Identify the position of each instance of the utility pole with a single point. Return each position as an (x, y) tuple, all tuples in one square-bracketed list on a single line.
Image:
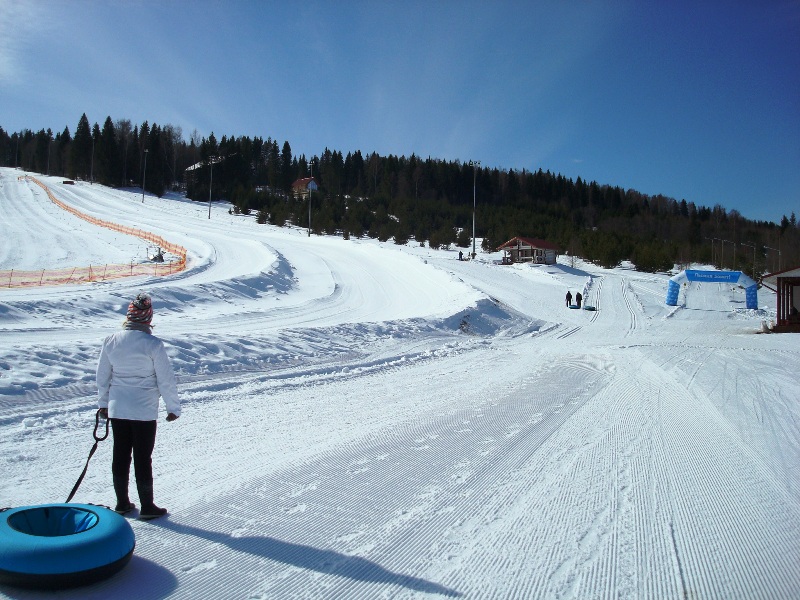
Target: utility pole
[(753, 246), (144, 172), (713, 250), (210, 183), (474, 164), (734, 251), (778, 250)]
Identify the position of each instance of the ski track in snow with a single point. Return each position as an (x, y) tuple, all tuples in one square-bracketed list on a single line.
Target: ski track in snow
[(364, 421)]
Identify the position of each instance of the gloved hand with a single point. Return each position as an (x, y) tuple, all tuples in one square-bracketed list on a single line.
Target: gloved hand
[(171, 417), (103, 413)]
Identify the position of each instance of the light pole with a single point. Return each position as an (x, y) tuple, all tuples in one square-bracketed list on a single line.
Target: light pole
[(91, 170), (753, 246), (144, 173), (734, 251), (210, 183), (309, 197), (713, 256), (474, 164), (778, 250)]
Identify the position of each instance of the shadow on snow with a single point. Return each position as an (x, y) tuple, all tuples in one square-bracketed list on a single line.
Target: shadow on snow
[(316, 559)]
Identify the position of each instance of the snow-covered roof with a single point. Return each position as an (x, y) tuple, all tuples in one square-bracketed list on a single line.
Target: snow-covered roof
[(771, 280), (306, 183), (532, 242)]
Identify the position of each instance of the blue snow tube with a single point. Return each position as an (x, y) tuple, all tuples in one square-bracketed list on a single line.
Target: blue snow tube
[(62, 545)]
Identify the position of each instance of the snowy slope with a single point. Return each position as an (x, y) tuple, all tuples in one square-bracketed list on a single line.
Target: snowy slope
[(363, 420)]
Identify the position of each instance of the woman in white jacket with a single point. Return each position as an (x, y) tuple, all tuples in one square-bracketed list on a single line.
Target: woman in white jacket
[(133, 371)]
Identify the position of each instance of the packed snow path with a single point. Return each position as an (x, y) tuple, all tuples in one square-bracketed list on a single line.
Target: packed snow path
[(366, 421)]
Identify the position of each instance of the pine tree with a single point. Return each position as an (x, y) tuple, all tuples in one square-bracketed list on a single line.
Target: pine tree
[(156, 166), (123, 131), (287, 171), (81, 150), (107, 155), (63, 149)]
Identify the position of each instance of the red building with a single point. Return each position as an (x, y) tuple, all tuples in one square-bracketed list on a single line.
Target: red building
[(522, 249), (786, 284), (302, 188)]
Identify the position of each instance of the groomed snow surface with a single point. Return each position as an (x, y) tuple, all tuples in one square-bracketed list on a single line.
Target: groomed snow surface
[(365, 420)]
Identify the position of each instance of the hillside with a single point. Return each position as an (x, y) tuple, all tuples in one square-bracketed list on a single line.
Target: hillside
[(365, 419), (402, 198)]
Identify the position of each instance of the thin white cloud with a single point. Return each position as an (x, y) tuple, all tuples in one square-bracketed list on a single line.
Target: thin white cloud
[(19, 22)]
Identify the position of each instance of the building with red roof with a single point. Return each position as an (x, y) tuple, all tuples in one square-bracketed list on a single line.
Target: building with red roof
[(523, 249)]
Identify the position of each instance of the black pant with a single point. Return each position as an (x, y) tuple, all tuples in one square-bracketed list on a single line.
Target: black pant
[(139, 438)]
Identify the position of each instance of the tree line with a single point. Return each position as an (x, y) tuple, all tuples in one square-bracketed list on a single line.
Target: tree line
[(400, 198)]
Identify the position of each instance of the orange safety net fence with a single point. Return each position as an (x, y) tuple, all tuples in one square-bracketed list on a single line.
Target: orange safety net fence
[(14, 278)]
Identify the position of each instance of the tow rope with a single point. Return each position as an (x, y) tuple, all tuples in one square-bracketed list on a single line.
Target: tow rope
[(91, 452)]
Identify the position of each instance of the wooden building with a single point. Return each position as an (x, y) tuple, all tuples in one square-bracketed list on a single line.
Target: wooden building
[(302, 188), (786, 284), (522, 249)]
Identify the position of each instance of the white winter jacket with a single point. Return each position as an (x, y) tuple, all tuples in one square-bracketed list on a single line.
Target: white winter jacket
[(133, 371)]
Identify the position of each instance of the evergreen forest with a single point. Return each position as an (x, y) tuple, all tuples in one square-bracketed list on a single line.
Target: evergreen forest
[(402, 198)]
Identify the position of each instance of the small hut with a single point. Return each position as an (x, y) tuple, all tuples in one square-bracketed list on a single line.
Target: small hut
[(786, 284)]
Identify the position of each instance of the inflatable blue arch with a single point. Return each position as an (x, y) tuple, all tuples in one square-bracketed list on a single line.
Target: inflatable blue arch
[(734, 277)]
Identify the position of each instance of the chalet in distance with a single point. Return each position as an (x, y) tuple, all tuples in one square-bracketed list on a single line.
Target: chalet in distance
[(302, 188), (522, 249)]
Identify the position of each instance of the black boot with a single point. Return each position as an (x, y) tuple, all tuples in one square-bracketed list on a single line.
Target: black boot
[(149, 510), (124, 505)]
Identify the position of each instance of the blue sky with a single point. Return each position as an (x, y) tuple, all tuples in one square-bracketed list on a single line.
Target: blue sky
[(697, 100)]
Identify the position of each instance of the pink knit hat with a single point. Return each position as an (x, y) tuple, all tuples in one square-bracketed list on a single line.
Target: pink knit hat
[(140, 310)]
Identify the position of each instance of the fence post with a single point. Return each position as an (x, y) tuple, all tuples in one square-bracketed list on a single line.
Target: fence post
[(10, 275)]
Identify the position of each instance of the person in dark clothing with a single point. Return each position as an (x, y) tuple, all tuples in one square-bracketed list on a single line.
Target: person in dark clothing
[(569, 297), (578, 299)]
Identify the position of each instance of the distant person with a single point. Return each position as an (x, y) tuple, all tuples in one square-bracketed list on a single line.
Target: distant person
[(578, 299), (460, 255), (133, 371), (569, 298)]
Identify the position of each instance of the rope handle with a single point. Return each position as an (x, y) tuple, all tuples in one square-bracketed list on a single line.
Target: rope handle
[(97, 424), (91, 452)]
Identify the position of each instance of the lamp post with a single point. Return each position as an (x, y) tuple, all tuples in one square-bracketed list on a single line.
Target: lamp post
[(753, 246), (474, 164), (309, 198), (210, 183), (734, 251), (778, 250), (91, 170), (144, 172), (713, 255)]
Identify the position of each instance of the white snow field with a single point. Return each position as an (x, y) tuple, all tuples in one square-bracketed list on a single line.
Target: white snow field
[(366, 420)]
